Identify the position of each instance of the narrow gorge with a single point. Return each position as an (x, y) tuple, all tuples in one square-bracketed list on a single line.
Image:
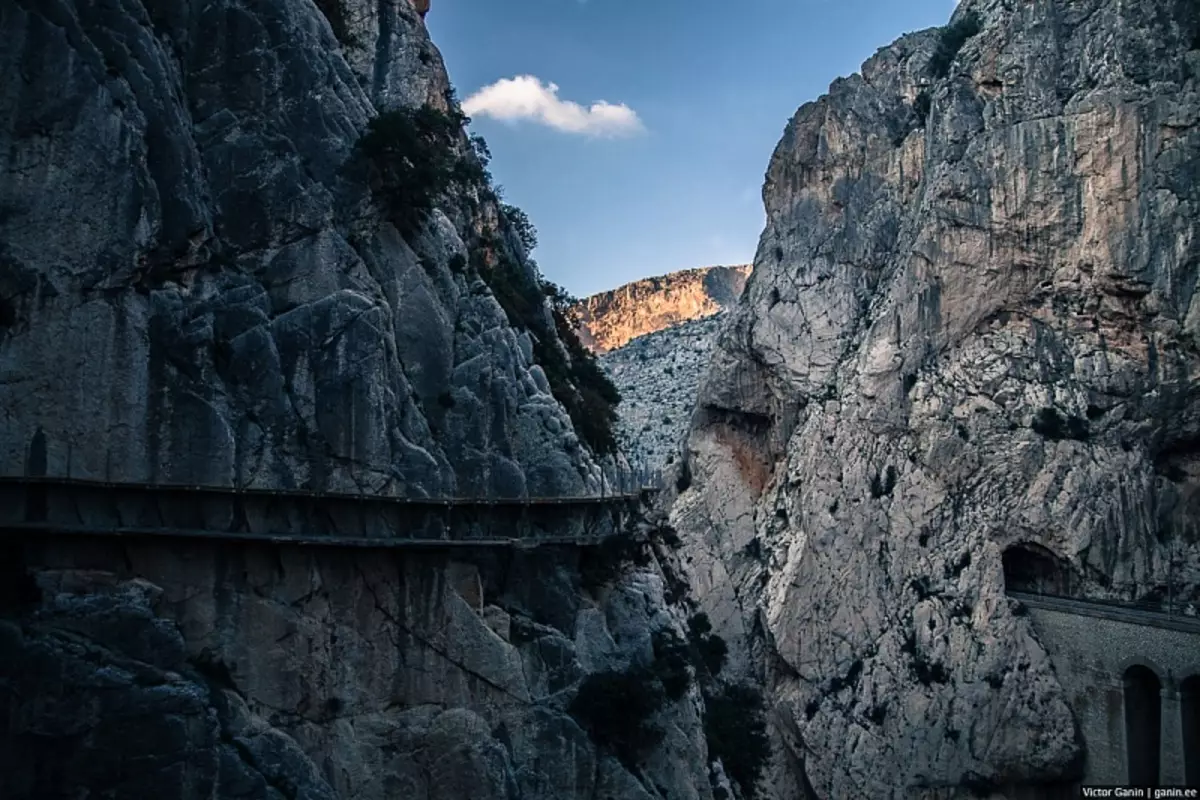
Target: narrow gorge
[(313, 487)]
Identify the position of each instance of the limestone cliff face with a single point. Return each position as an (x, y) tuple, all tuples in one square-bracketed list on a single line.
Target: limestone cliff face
[(972, 326), (200, 671), (611, 319), (658, 375), (197, 286)]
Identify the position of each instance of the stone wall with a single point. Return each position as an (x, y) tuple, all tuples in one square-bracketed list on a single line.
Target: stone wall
[(1091, 653)]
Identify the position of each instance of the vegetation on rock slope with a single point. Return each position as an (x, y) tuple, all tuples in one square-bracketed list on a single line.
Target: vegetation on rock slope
[(415, 158)]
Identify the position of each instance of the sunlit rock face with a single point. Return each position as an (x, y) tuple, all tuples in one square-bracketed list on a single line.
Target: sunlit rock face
[(970, 325), (609, 320)]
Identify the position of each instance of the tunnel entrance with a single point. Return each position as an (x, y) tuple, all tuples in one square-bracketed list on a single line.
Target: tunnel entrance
[(1189, 705), (1033, 569), (1143, 725)]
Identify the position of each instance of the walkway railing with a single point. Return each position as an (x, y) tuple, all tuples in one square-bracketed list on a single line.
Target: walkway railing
[(1131, 611), (47, 506)]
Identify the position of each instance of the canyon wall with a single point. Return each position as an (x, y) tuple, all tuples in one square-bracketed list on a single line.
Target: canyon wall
[(658, 375), (971, 330), (199, 284), (609, 320), (201, 670)]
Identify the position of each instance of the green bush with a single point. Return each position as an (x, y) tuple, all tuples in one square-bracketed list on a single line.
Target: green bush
[(413, 159), (710, 649), (736, 730), (520, 223), (615, 709), (922, 105), (1052, 425), (671, 659), (603, 563), (951, 40), (335, 12)]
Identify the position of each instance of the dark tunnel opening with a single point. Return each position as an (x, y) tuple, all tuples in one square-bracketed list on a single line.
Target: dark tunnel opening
[(1143, 725), (1033, 569)]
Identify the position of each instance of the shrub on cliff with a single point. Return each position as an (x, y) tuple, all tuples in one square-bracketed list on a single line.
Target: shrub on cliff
[(412, 157), (709, 648), (671, 660), (951, 40), (736, 730), (335, 13), (603, 563), (615, 709), (922, 105), (520, 223), (1054, 426)]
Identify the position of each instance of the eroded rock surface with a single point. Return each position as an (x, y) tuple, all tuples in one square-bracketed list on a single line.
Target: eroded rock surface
[(972, 325), (215, 671), (609, 320), (658, 375), (197, 286)]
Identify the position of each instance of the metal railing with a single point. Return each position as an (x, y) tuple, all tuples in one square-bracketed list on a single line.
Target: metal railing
[(48, 505), (1131, 612)]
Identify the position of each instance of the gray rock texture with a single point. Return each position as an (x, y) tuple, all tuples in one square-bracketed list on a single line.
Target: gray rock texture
[(971, 325), (196, 285), (609, 320), (658, 375), (205, 671)]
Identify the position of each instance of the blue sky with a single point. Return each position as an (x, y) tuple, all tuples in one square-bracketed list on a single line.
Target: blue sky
[(668, 174)]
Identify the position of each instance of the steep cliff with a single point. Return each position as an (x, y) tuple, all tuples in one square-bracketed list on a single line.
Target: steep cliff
[(609, 320), (658, 375), (203, 671), (969, 341), (200, 281), (247, 244)]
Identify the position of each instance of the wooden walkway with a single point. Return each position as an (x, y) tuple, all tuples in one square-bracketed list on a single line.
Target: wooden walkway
[(33, 506)]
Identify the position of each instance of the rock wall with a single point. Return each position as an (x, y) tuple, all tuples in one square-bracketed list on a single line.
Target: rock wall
[(658, 375), (197, 286), (205, 670), (972, 324), (609, 320)]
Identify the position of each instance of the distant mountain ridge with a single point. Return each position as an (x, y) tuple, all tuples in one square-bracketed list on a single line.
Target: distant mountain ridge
[(609, 320)]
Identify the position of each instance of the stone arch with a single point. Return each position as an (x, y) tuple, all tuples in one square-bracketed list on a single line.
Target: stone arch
[(1143, 725), (1189, 708), (1125, 664), (1034, 569)]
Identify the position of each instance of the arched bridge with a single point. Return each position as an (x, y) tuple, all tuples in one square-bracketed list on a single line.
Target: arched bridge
[(61, 506), (1130, 669)]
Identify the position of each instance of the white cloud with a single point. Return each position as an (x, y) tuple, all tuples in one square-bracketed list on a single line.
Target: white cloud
[(526, 97)]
